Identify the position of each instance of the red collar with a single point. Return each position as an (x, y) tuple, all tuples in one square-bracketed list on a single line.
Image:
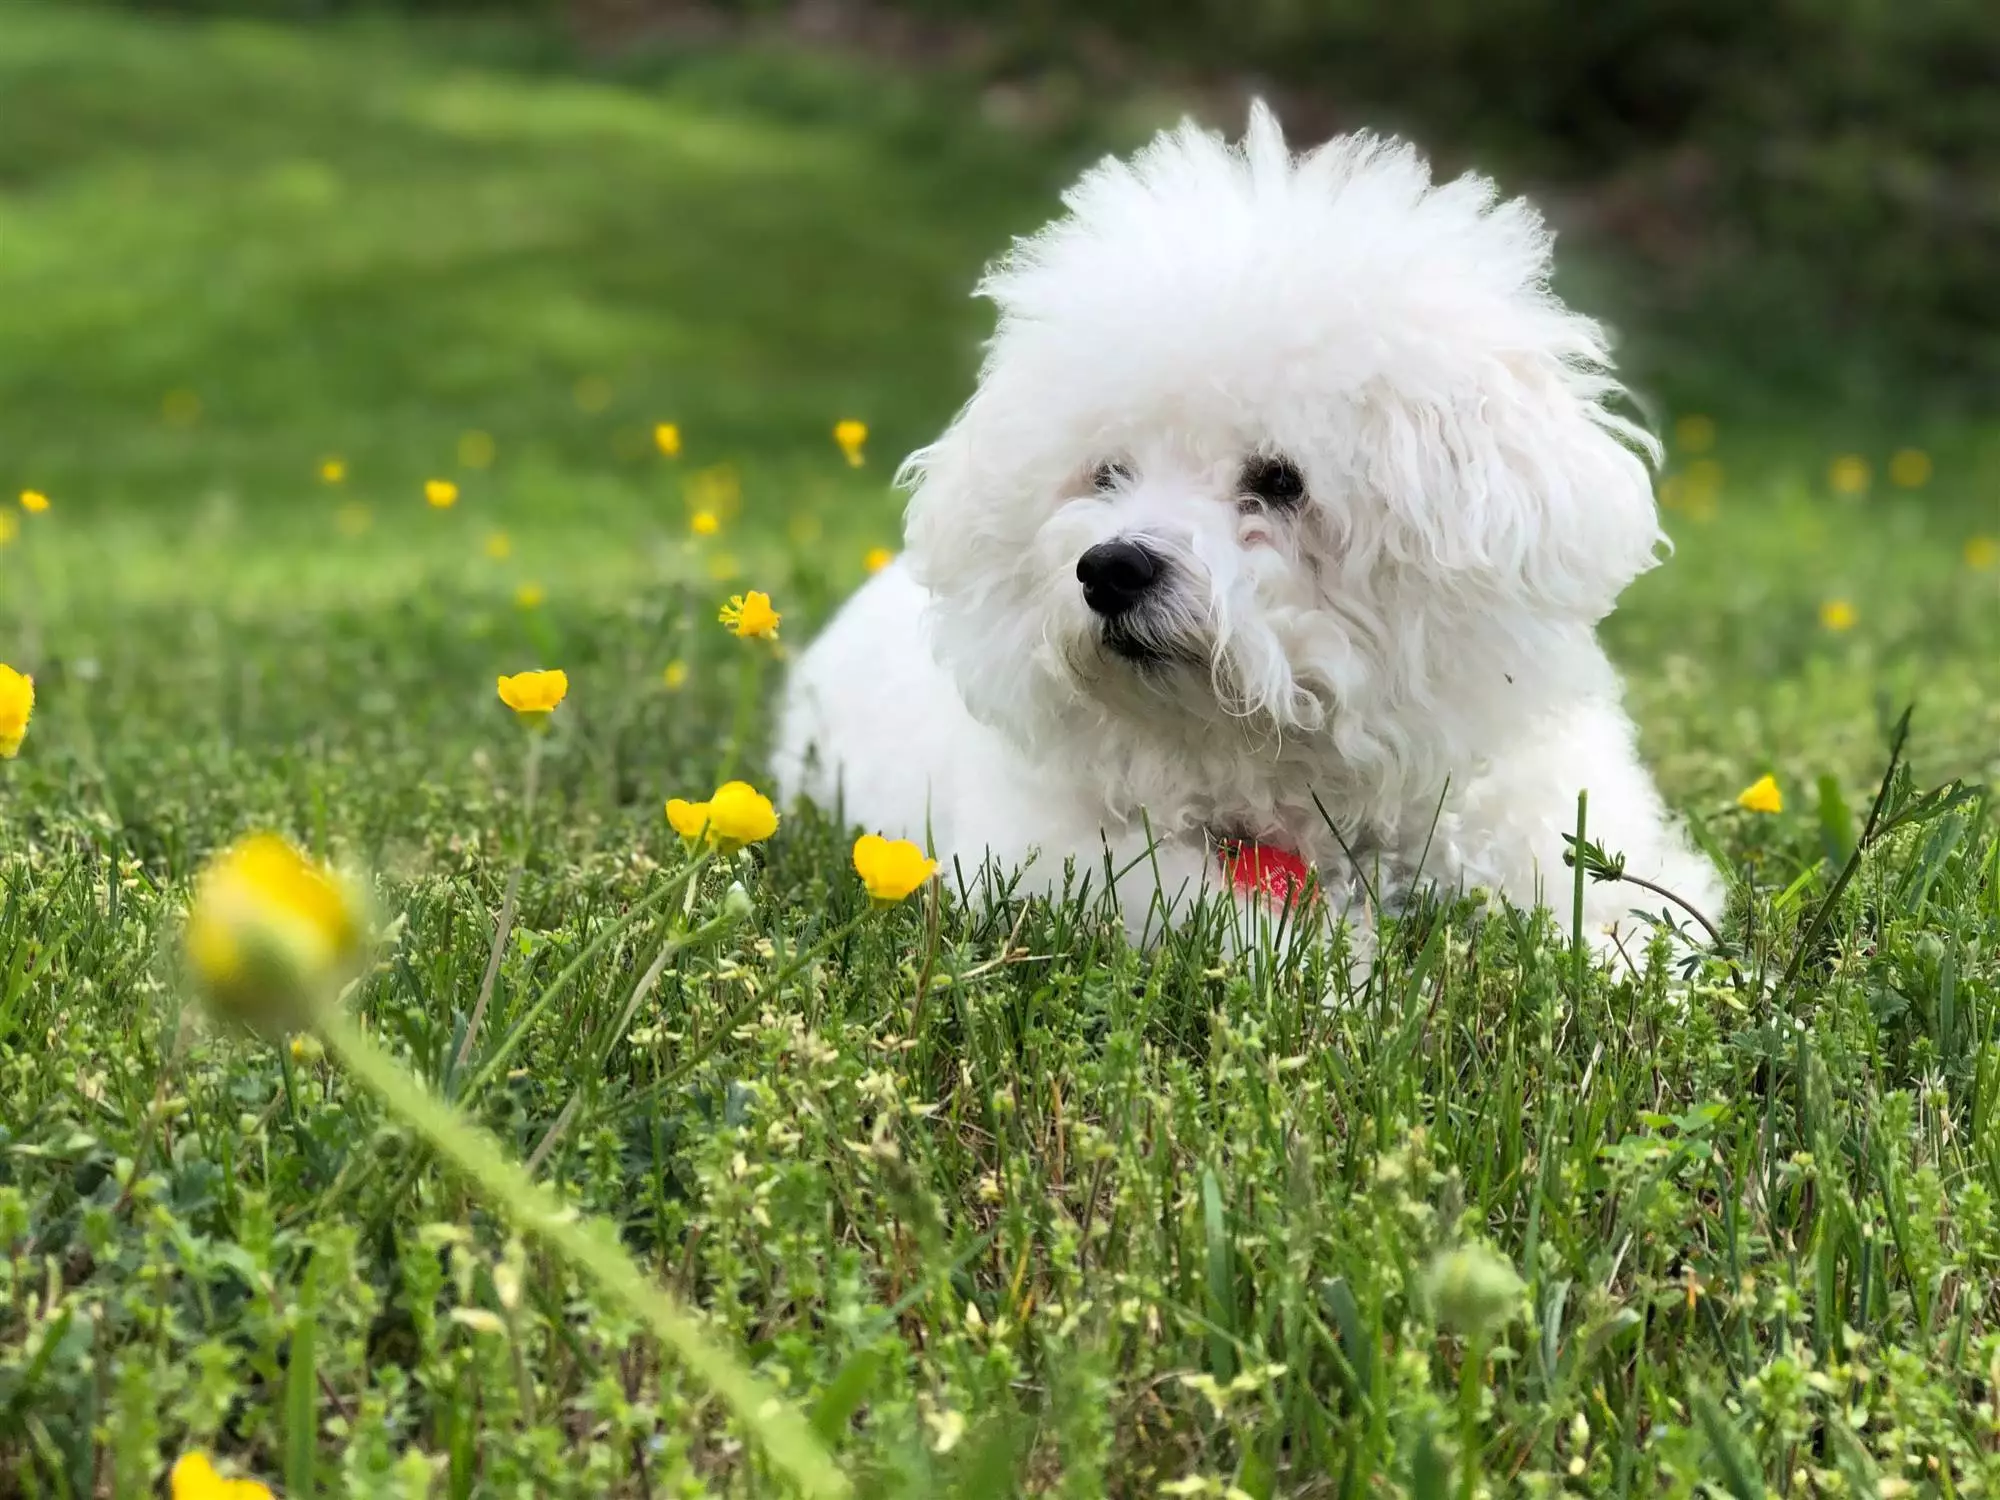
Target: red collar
[(1253, 867)]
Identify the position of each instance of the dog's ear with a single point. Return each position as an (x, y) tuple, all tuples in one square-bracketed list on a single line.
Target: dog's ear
[(1521, 479)]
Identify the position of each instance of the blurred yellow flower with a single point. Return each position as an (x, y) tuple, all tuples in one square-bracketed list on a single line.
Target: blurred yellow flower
[(270, 930), (667, 438), (475, 450), (704, 523), (1910, 469), (890, 869), (534, 695), (1837, 615), (751, 615), (718, 488), (531, 596), (181, 408), (195, 1478), (499, 546), (1762, 796), (353, 518), (333, 471), (10, 527), (1982, 551), (34, 502), (17, 706), (1694, 433), (676, 675), (1848, 474), (736, 815), (877, 559), (593, 393), (852, 436), (440, 494)]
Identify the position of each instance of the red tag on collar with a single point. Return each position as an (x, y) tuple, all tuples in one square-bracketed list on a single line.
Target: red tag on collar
[(1264, 868)]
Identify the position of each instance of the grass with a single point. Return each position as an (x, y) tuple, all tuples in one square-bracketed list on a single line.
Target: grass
[(996, 1202)]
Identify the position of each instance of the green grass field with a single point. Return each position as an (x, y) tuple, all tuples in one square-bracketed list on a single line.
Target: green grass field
[(997, 1203)]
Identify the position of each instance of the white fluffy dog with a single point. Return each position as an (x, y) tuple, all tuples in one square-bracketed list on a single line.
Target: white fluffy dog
[(1275, 534)]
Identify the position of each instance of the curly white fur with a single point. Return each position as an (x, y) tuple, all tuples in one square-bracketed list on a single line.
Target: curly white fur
[(1411, 647)]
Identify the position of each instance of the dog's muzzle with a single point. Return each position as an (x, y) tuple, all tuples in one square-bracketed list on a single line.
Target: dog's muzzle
[(1117, 577)]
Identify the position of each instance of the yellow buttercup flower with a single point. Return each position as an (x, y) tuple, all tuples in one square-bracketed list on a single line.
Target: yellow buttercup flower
[(1694, 433), (877, 559), (736, 815), (534, 695), (704, 523), (195, 1478), (890, 868), (852, 436), (1982, 551), (750, 615), (530, 596), (333, 471), (676, 675), (475, 450), (667, 438), (270, 931), (10, 527), (440, 494), (34, 502), (1838, 615), (17, 706), (1848, 474), (499, 546), (1762, 796), (1910, 469)]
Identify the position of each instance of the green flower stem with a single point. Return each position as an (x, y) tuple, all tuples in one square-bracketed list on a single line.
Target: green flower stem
[(504, 924), (749, 693), (591, 1247)]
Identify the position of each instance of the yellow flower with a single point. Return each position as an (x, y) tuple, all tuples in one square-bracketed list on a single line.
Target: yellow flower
[(534, 695), (675, 676), (667, 438), (1848, 474), (475, 450), (704, 523), (736, 815), (1982, 551), (877, 559), (194, 1478), (333, 471), (270, 930), (751, 615), (34, 502), (851, 435), (10, 527), (1838, 615), (440, 494), (499, 546), (17, 706), (1762, 796), (891, 869), (530, 596), (1910, 469), (1694, 433), (353, 519)]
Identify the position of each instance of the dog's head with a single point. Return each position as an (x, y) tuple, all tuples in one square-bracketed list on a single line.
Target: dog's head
[(1285, 443)]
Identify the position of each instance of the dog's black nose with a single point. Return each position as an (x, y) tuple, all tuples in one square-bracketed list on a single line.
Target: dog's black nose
[(1116, 576)]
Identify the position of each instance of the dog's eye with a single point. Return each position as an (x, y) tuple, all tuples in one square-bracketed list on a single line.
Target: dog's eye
[(1109, 476), (1275, 481)]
